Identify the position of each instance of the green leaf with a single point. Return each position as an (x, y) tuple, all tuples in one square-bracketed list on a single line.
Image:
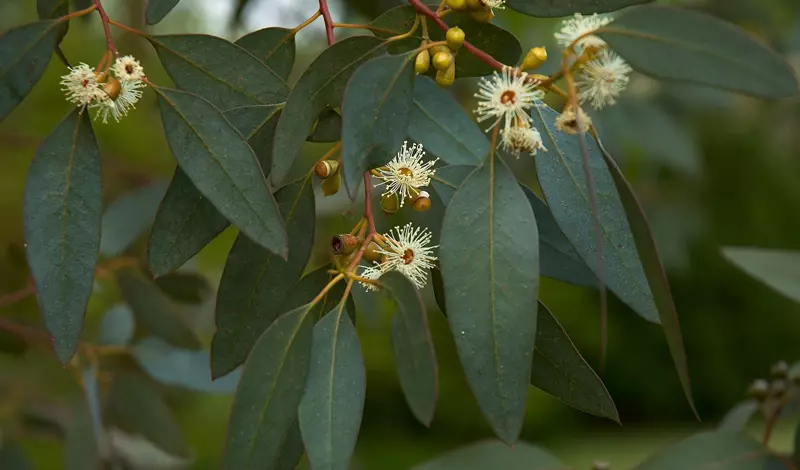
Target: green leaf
[(494, 454), (333, 401), (158, 9), (684, 45), (24, 54), (222, 166), (117, 327), (737, 418), (439, 122), (551, 9), (413, 347), (128, 217), (779, 269), (328, 127), (731, 451), (191, 288), (321, 86), (12, 457), (265, 408), (219, 71), (136, 407), (490, 265), (375, 113), (155, 311), (84, 433), (495, 41), (275, 47), (560, 370), (255, 282), (312, 284), (257, 126), (51, 9), (563, 183), (656, 276), (61, 219)]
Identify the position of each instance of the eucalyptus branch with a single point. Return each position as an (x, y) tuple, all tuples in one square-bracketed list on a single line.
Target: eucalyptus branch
[(104, 18), (326, 17)]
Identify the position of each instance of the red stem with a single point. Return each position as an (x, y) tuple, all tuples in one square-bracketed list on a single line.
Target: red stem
[(368, 203), (104, 18), (482, 56), (326, 16)]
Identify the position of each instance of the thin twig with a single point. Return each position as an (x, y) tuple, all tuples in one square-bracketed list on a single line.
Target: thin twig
[(307, 22), (104, 18), (21, 294), (326, 16)]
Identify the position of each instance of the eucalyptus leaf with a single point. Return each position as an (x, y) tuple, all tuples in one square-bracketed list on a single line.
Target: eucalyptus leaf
[(555, 8), (192, 288), (732, 451), (490, 265), (275, 47), (128, 217), (778, 269), (157, 9), (117, 326), (61, 220), (375, 115), (677, 44), (736, 419), (80, 444), (51, 9), (328, 127), (494, 454)]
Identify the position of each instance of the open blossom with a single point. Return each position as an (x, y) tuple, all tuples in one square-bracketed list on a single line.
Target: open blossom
[(579, 25), (567, 122), (371, 273), (127, 68), (519, 139), (80, 85), (601, 80), (408, 252), (111, 94), (499, 4), (507, 97), (118, 97), (406, 173)]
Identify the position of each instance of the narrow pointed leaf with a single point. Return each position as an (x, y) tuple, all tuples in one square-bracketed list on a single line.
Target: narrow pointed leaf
[(413, 347), (732, 451), (375, 112), (779, 269), (128, 217), (439, 122), (677, 44), (550, 8), (50, 9), (494, 454), (321, 86), (255, 282), (157, 9), (61, 221), (222, 166), (275, 47), (219, 71), (328, 128), (264, 410), (489, 254), (737, 418), (560, 370), (656, 276), (563, 183), (25, 52), (333, 401)]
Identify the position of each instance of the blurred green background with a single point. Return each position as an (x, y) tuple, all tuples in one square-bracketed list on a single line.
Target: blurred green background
[(712, 169)]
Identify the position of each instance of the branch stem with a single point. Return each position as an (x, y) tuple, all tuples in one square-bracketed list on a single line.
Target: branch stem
[(326, 17), (306, 22), (104, 18)]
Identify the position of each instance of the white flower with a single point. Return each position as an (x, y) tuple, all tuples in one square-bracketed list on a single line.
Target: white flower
[(507, 96), (578, 26), (128, 68), (409, 253), (406, 173), (499, 4), (80, 85), (600, 81), (522, 139), (567, 122), (371, 273), (118, 97)]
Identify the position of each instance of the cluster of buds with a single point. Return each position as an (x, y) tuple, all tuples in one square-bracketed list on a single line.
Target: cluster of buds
[(111, 91), (479, 10), (443, 57), (782, 388)]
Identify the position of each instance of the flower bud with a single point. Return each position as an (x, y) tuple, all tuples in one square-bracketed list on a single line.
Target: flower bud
[(331, 185), (437, 49), (423, 62), (112, 88), (780, 370), (442, 60), (758, 389), (422, 203), (455, 38), (372, 254), (483, 16), (326, 168), (344, 244), (446, 77), (457, 4), (534, 58), (390, 203)]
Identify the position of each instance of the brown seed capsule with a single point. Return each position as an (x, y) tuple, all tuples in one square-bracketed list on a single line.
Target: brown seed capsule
[(112, 88), (447, 77), (455, 38), (484, 16), (442, 60), (422, 203), (423, 62), (372, 254), (344, 244), (534, 58), (390, 203), (457, 4), (326, 168)]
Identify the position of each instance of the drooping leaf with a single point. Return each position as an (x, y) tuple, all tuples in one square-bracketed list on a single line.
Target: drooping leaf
[(439, 122), (413, 347), (221, 72), (328, 128), (375, 116), (24, 54), (50, 9), (222, 166), (563, 183), (779, 269), (275, 47), (180, 367), (732, 451), (255, 282), (321, 86), (333, 401), (117, 327), (555, 8), (157, 9), (656, 276), (497, 42), (494, 454), (61, 220), (155, 311), (737, 418), (560, 370), (12, 457), (128, 217), (265, 407), (489, 254), (685, 45), (191, 288), (84, 434)]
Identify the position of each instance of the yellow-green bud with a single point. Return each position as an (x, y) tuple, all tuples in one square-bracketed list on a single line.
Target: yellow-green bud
[(457, 4), (423, 62), (372, 254), (331, 185), (446, 77), (484, 16), (442, 60), (112, 88), (390, 203), (534, 58), (455, 38)]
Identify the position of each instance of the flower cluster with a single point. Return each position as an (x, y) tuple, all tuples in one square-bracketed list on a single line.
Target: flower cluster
[(405, 250), (406, 173), (111, 93)]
